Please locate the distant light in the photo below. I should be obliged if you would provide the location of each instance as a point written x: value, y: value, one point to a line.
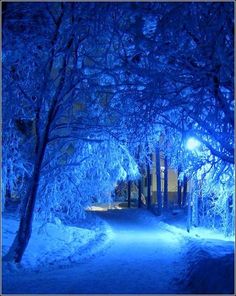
x: 192, y: 144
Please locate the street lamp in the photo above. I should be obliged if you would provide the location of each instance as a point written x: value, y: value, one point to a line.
x: 192, y: 144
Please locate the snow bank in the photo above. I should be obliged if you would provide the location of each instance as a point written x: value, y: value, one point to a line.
x: 210, y: 269
x: 56, y: 243
x: 208, y: 258
x: 198, y: 233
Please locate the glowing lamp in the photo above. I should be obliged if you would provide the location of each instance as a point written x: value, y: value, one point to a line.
x: 192, y: 144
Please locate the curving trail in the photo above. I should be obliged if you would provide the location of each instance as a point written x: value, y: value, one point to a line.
x: 143, y: 257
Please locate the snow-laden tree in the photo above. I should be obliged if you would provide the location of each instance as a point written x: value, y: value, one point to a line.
x: 195, y: 51
x: 178, y: 59
x: 210, y: 197
x: 61, y: 84
x: 212, y: 193
x: 87, y: 173
x: 16, y: 167
x: 184, y: 55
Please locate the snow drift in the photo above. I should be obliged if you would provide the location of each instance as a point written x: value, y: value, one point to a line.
x: 56, y: 242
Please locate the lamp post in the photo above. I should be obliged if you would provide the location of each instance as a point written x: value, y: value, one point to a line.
x: 192, y: 144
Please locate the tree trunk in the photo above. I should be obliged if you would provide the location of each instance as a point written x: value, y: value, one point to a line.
x: 185, y: 191
x: 229, y: 223
x: 166, y: 183
x: 139, y: 193
x: 25, y: 228
x: 148, y: 186
x: 195, y: 201
x: 129, y: 194
x: 21, y: 240
x: 7, y: 194
x: 189, y: 208
x: 179, y: 188
x: 158, y: 181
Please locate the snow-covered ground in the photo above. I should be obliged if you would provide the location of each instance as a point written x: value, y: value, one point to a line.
x: 210, y: 267
x: 146, y: 255
x: 55, y: 243
x: 209, y: 258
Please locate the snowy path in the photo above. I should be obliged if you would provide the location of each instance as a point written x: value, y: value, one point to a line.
x: 142, y: 258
